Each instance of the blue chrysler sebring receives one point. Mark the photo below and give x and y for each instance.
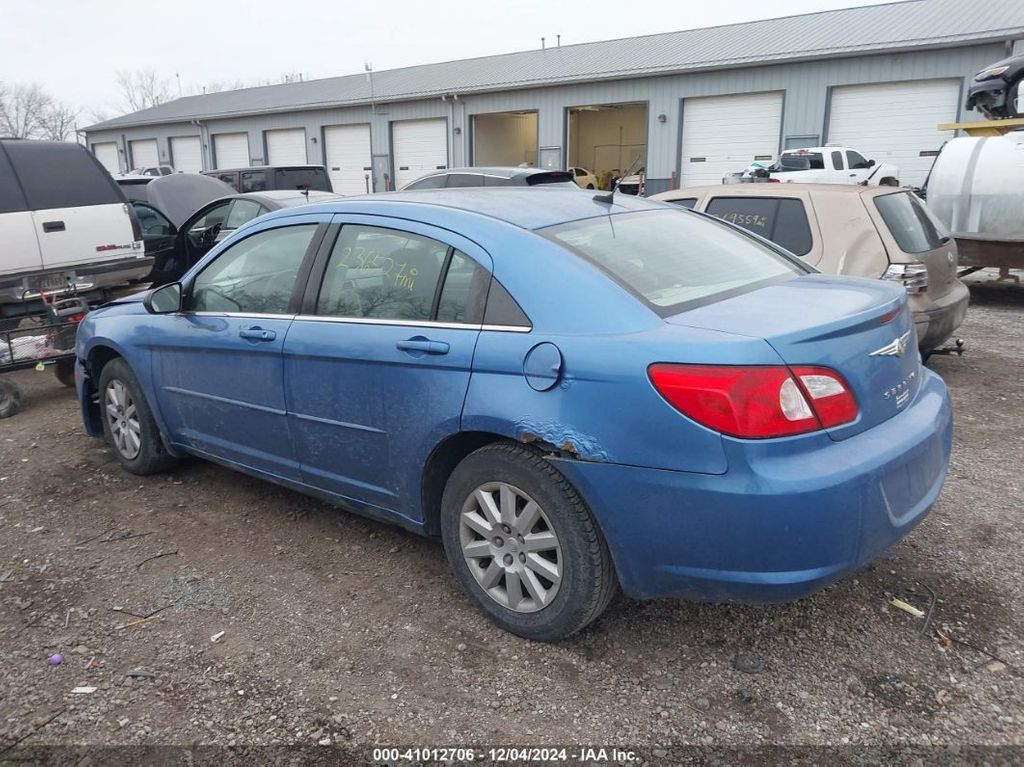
(575, 394)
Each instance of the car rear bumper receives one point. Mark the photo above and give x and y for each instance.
(86, 277)
(789, 517)
(937, 319)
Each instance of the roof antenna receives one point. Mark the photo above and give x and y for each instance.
(609, 197)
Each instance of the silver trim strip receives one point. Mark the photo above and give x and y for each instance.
(411, 324)
(366, 321)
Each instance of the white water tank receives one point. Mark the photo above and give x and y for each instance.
(976, 186)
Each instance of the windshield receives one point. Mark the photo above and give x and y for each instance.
(674, 259)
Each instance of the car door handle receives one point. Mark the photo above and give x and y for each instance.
(423, 345)
(257, 334)
(53, 226)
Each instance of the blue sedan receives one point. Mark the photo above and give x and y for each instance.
(576, 395)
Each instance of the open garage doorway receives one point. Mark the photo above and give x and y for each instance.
(505, 139)
(606, 139)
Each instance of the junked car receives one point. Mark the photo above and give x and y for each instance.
(584, 178)
(574, 394)
(183, 216)
(859, 231)
(997, 91)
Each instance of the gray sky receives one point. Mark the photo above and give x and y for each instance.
(74, 49)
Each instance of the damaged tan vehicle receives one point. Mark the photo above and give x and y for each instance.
(858, 231)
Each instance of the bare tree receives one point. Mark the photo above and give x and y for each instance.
(58, 122)
(22, 108)
(143, 89)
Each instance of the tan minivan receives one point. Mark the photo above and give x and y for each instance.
(859, 231)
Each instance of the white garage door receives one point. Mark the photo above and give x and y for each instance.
(286, 147)
(231, 150)
(187, 154)
(724, 134)
(347, 153)
(144, 153)
(420, 146)
(894, 122)
(106, 153)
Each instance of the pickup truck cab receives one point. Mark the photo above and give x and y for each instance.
(64, 225)
(831, 165)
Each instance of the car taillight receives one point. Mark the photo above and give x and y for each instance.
(756, 402)
(913, 276)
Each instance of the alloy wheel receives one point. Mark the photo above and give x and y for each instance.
(123, 420)
(510, 546)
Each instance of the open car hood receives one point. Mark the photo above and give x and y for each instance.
(180, 195)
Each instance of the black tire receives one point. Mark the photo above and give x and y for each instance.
(152, 456)
(10, 399)
(588, 581)
(65, 372)
(590, 186)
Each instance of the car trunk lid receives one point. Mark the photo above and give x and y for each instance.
(860, 328)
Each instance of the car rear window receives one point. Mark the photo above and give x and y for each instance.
(685, 202)
(674, 260)
(912, 225)
(301, 178)
(61, 175)
(799, 161)
(783, 221)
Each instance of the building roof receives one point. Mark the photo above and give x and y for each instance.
(898, 26)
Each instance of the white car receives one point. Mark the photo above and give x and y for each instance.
(831, 165)
(584, 178)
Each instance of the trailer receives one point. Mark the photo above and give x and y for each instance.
(976, 189)
(41, 341)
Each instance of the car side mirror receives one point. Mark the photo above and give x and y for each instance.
(871, 163)
(164, 300)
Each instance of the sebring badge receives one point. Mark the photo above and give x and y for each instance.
(894, 349)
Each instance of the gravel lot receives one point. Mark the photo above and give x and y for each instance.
(344, 631)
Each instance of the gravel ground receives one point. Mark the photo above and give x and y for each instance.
(339, 630)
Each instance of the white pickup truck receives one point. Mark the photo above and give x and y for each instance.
(64, 225)
(832, 165)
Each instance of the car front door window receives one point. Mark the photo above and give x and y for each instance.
(255, 276)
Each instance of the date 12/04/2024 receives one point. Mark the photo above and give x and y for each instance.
(580, 754)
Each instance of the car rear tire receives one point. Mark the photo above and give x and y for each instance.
(128, 423)
(523, 545)
(65, 371)
(10, 399)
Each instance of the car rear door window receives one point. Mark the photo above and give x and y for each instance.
(381, 273)
(256, 275)
(231, 179)
(464, 291)
(242, 212)
(783, 221)
(430, 182)
(837, 161)
(464, 179)
(912, 225)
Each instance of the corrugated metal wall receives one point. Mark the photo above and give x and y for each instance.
(806, 86)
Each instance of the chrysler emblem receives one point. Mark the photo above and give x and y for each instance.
(894, 349)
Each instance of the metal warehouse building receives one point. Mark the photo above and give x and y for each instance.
(690, 105)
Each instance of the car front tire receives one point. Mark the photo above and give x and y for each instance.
(128, 423)
(523, 545)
